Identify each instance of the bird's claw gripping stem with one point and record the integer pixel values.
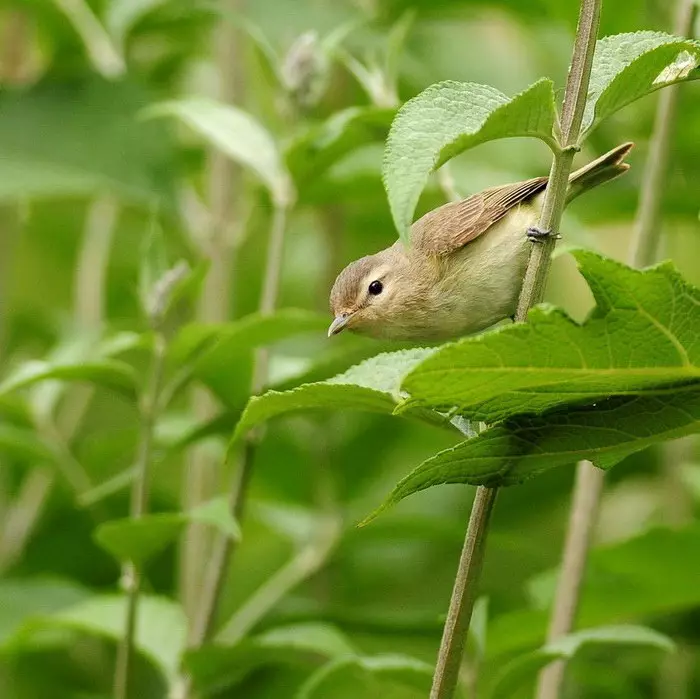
(537, 235)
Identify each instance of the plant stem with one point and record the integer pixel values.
(219, 561)
(131, 575)
(464, 592)
(589, 480)
(464, 596)
(584, 509)
(202, 473)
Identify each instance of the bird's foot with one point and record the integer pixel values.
(537, 235)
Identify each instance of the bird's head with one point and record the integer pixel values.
(366, 296)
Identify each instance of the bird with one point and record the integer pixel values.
(463, 268)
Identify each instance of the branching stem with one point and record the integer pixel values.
(465, 589)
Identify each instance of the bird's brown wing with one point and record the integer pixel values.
(453, 225)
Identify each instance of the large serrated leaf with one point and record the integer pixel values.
(524, 446)
(448, 118)
(371, 386)
(629, 66)
(524, 668)
(642, 337)
(237, 134)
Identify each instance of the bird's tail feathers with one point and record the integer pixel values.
(604, 169)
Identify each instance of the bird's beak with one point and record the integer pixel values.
(339, 322)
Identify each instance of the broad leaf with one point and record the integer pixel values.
(642, 337)
(160, 626)
(111, 374)
(446, 119)
(372, 386)
(524, 446)
(394, 676)
(75, 140)
(138, 540)
(25, 444)
(629, 66)
(215, 668)
(524, 668)
(235, 133)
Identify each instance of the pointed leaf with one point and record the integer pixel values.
(643, 337)
(629, 66)
(235, 133)
(372, 386)
(524, 446)
(446, 119)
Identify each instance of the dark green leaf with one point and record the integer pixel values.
(642, 337)
(523, 446)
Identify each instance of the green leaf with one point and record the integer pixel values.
(215, 668)
(82, 139)
(390, 676)
(138, 540)
(113, 375)
(372, 386)
(26, 598)
(641, 338)
(448, 118)
(160, 626)
(25, 444)
(629, 66)
(524, 446)
(203, 343)
(523, 669)
(235, 133)
(310, 155)
(650, 575)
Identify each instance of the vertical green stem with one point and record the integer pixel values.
(589, 480)
(131, 575)
(464, 592)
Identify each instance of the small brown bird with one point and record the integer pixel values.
(464, 268)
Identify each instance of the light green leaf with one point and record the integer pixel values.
(372, 386)
(235, 133)
(390, 676)
(643, 337)
(111, 374)
(82, 139)
(217, 667)
(25, 444)
(160, 626)
(629, 66)
(448, 118)
(524, 446)
(138, 540)
(153, 265)
(524, 668)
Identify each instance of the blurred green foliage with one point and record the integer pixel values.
(85, 177)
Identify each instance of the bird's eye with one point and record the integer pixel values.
(376, 287)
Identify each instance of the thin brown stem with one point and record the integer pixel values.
(219, 561)
(464, 592)
(202, 473)
(589, 480)
(584, 509)
(464, 596)
(131, 576)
